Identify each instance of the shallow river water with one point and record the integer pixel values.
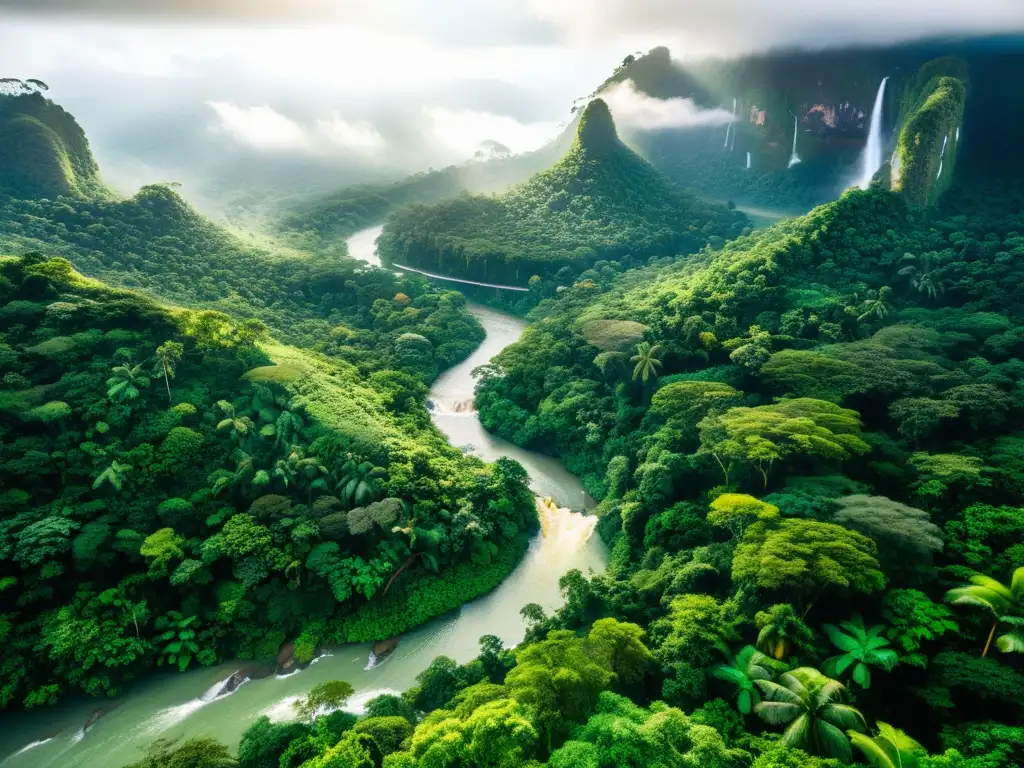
(184, 705)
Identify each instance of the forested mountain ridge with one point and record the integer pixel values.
(326, 219)
(599, 202)
(158, 243)
(177, 490)
(43, 150)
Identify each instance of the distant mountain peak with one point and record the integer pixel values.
(43, 151)
(596, 130)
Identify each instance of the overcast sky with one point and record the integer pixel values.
(396, 83)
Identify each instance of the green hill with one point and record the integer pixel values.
(43, 150)
(600, 201)
(157, 243)
(183, 465)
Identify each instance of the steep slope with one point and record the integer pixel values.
(600, 201)
(166, 469)
(43, 151)
(845, 271)
(157, 243)
(328, 218)
(829, 94)
(931, 118)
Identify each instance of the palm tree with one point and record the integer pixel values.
(287, 427)
(809, 702)
(876, 307)
(240, 427)
(428, 542)
(648, 362)
(358, 484)
(125, 382)
(244, 472)
(743, 670)
(115, 475)
(781, 630)
(168, 354)
(891, 748)
(297, 466)
(862, 648)
(924, 279)
(999, 600)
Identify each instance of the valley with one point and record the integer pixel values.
(691, 437)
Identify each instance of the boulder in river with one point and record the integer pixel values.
(286, 656)
(96, 714)
(256, 671)
(383, 648)
(229, 686)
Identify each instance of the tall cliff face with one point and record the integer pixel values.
(43, 151)
(831, 94)
(931, 116)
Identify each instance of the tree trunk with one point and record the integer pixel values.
(724, 470)
(398, 573)
(988, 642)
(167, 380)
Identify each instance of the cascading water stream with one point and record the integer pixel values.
(794, 158)
(732, 144)
(748, 161)
(873, 149)
(729, 130)
(942, 155)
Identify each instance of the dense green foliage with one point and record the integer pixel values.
(599, 202)
(805, 443)
(931, 116)
(343, 213)
(807, 451)
(43, 151)
(333, 304)
(178, 490)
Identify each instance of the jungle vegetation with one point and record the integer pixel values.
(179, 489)
(805, 443)
(599, 202)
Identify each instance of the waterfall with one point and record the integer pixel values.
(942, 155)
(873, 149)
(748, 161)
(958, 134)
(794, 158)
(371, 662)
(729, 130)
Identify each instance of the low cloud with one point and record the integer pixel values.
(264, 128)
(633, 109)
(463, 130)
(359, 136)
(260, 127)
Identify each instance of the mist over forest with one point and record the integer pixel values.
(480, 384)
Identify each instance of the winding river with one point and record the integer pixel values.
(185, 705)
